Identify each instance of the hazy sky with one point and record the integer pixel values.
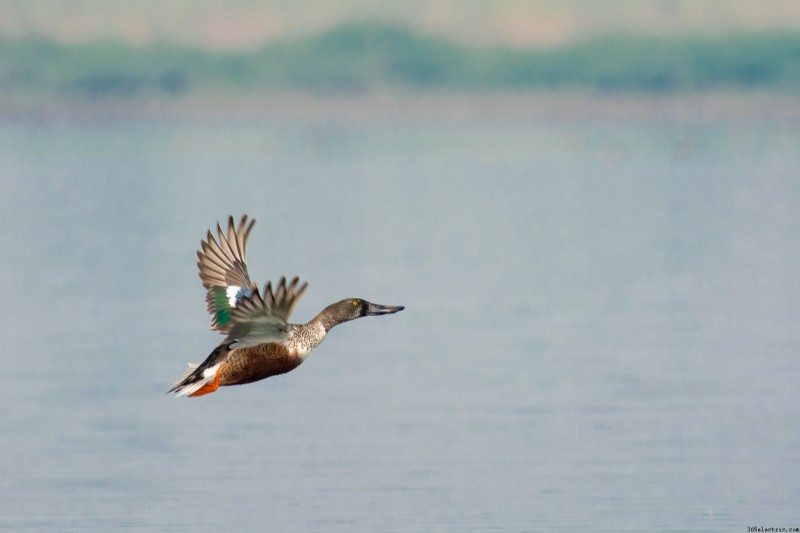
(241, 24)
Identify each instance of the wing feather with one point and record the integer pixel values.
(238, 308)
(264, 318)
(222, 266)
(221, 260)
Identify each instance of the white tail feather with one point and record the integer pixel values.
(190, 388)
(188, 372)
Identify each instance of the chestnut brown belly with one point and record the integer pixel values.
(246, 365)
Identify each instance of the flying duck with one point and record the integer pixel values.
(259, 340)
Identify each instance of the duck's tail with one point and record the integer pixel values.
(204, 378)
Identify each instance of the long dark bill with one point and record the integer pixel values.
(377, 309)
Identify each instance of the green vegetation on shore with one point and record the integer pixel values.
(362, 58)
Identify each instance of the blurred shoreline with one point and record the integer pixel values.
(366, 59)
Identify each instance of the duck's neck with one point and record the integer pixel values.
(327, 318)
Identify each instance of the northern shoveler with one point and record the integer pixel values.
(259, 340)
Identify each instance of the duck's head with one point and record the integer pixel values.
(352, 308)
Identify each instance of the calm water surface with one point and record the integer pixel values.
(601, 324)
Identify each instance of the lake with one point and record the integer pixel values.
(601, 326)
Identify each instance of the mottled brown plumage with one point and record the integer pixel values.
(246, 365)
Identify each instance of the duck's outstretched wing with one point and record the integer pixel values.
(223, 271)
(237, 308)
(258, 319)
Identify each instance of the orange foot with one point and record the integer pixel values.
(208, 388)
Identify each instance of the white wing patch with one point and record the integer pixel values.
(232, 292)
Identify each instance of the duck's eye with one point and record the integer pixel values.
(355, 302)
